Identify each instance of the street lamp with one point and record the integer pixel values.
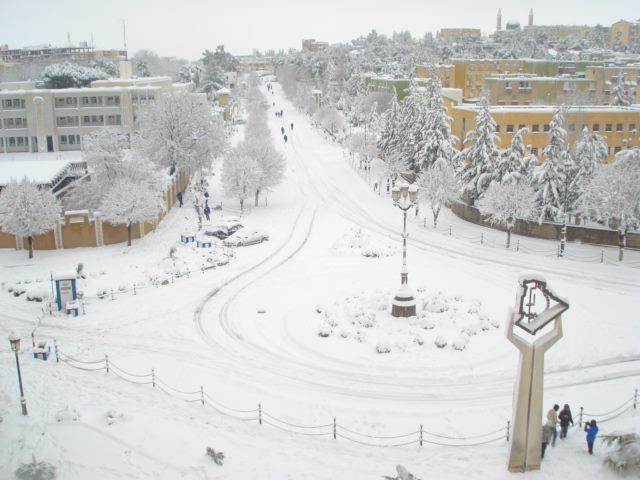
(14, 340)
(563, 235)
(404, 304)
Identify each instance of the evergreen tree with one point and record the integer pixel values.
(512, 164)
(438, 142)
(621, 97)
(480, 157)
(549, 180)
(590, 151)
(391, 133)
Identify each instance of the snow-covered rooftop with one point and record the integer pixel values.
(41, 172)
(549, 108)
(83, 90)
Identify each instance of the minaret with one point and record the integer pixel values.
(531, 17)
(499, 21)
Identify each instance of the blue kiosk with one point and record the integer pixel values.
(66, 292)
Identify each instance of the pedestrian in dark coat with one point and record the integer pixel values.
(565, 418)
(179, 197)
(281, 112)
(285, 139)
(207, 211)
(292, 127)
(282, 130)
(592, 432)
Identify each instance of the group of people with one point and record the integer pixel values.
(564, 419)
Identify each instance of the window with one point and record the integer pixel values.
(596, 127)
(13, 103)
(608, 127)
(521, 126)
(535, 128)
(546, 127)
(525, 85)
(534, 150)
(632, 127)
(514, 102)
(507, 85)
(619, 127)
(617, 149)
(497, 128)
(509, 128)
(114, 120)
(113, 101)
(71, 101)
(12, 141)
(63, 139)
(20, 141)
(500, 102)
(572, 127)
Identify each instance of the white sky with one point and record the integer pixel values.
(185, 28)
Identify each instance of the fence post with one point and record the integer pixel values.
(153, 377)
(202, 395)
(481, 238)
(55, 348)
(518, 245)
(420, 434)
(449, 230)
(580, 417)
(187, 273)
(112, 294)
(260, 413)
(334, 428)
(558, 251)
(602, 256)
(134, 289)
(508, 429)
(635, 399)
(83, 310)
(106, 361)
(171, 277)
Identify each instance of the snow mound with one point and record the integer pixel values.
(67, 415)
(356, 242)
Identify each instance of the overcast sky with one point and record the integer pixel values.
(184, 28)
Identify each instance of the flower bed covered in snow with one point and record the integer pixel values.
(442, 322)
(356, 242)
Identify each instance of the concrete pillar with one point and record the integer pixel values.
(98, 226)
(40, 127)
(57, 235)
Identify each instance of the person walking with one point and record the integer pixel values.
(281, 113)
(285, 139)
(179, 197)
(282, 130)
(592, 432)
(207, 210)
(292, 126)
(546, 436)
(552, 422)
(565, 418)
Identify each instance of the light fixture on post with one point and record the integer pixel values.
(14, 340)
(404, 303)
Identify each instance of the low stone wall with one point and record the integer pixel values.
(549, 231)
(81, 229)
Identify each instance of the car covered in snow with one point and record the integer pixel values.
(242, 239)
(223, 229)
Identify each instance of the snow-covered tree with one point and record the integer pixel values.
(330, 120)
(625, 458)
(104, 151)
(513, 163)
(413, 125)
(438, 141)
(438, 185)
(270, 164)
(68, 75)
(590, 151)
(395, 165)
(621, 96)
(240, 174)
(128, 202)
(178, 130)
(550, 177)
(142, 68)
(27, 210)
(479, 158)
(391, 134)
(364, 148)
(504, 203)
(613, 197)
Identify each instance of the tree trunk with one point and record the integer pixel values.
(129, 234)
(257, 196)
(30, 242)
(509, 237)
(435, 217)
(623, 241)
(241, 206)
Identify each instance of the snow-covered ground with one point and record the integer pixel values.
(247, 333)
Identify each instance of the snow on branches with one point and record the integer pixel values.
(68, 75)
(437, 186)
(27, 210)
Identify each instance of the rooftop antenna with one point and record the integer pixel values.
(69, 39)
(92, 44)
(124, 38)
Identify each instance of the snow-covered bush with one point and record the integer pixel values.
(218, 457)
(626, 456)
(35, 471)
(344, 333)
(112, 417)
(440, 341)
(324, 330)
(471, 329)
(418, 339)
(36, 294)
(68, 414)
(383, 347)
(460, 343)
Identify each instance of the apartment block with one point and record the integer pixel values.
(79, 53)
(446, 73)
(459, 33)
(534, 90)
(618, 125)
(625, 33)
(606, 78)
(312, 45)
(470, 74)
(49, 120)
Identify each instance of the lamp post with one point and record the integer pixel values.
(14, 340)
(404, 303)
(563, 234)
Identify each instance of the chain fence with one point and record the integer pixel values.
(333, 429)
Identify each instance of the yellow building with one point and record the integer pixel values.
(445, 72)
(606, 78)
(618, 125)
(470, 74)
(534, 90)
(625, 33)
(311, 45)
(457, 33)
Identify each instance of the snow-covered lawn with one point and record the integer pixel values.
(247, 333)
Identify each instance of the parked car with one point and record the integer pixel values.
(242, 239)
(223, 229)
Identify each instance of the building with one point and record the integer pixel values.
(625, 33)
(446, 73)
(80, 53)
(528, 89)
(454, 34)
(250, 63)
(50, 120)
(605, 79)
(311, 45)
(469, 74)
(400, 86)
(619, 125)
